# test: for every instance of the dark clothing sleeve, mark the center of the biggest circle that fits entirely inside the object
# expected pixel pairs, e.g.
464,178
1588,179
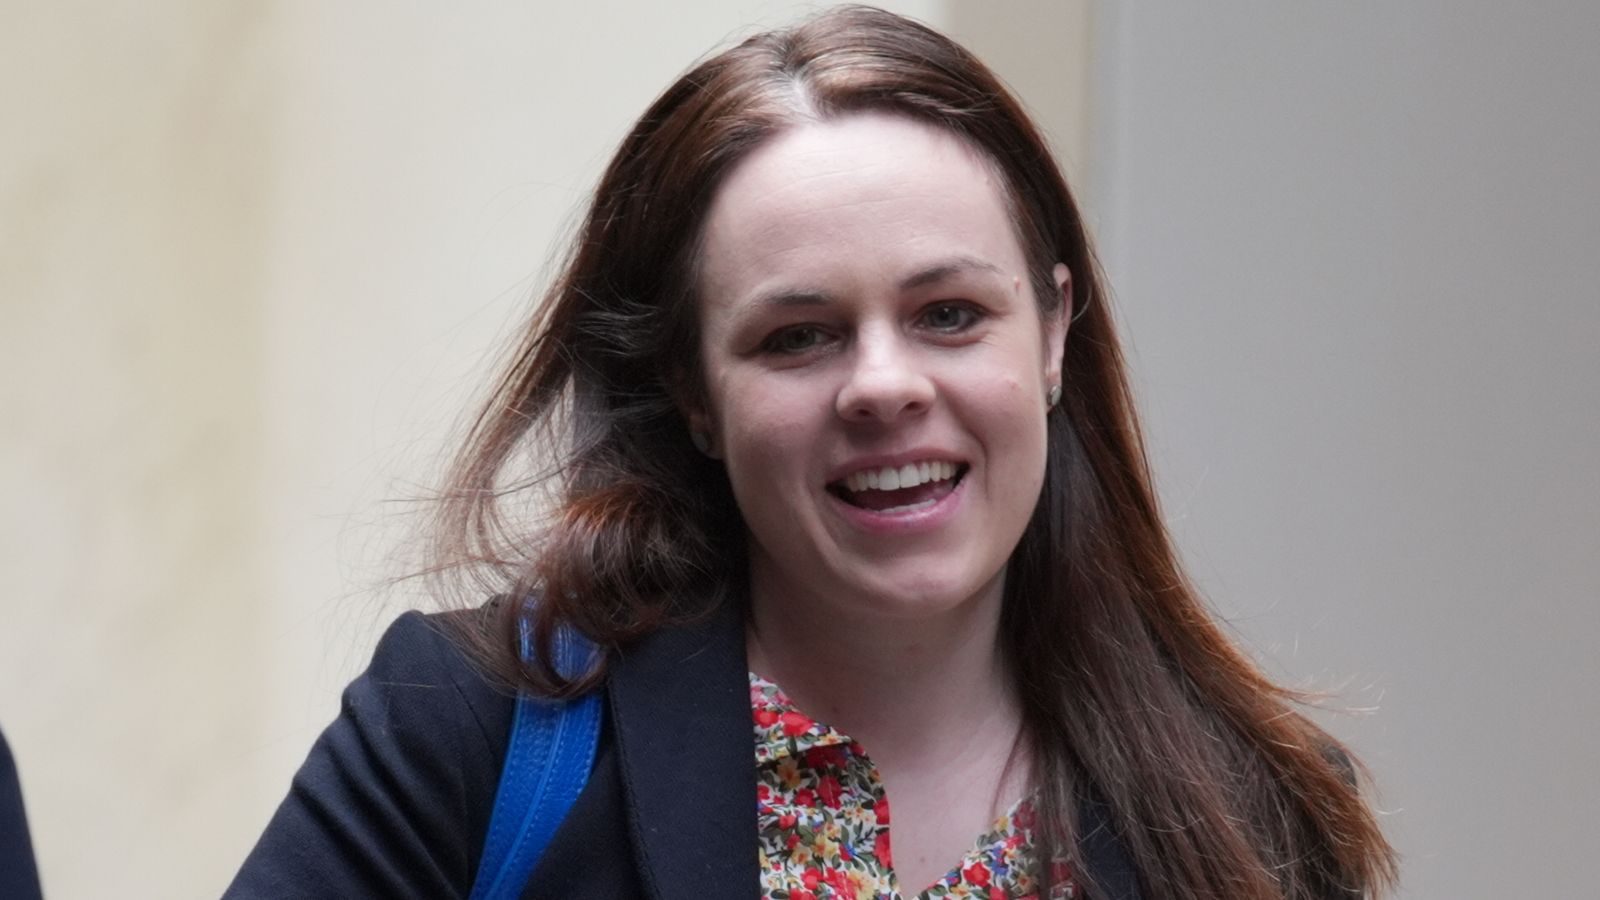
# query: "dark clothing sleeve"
394,799
19,877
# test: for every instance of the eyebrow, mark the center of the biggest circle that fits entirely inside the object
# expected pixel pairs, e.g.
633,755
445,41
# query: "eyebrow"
940,271
959,265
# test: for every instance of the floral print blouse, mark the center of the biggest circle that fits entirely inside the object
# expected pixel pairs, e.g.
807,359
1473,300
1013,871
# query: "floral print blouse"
824,821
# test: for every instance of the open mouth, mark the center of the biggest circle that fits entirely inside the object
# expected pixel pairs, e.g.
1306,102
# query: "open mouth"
900,489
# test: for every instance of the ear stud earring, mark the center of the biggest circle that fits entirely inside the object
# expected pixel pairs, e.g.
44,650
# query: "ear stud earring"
1053,397
700,442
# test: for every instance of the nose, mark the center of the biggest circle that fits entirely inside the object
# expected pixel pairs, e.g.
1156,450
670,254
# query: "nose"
885,381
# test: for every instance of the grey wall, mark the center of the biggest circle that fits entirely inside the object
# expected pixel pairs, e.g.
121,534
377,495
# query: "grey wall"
1356,247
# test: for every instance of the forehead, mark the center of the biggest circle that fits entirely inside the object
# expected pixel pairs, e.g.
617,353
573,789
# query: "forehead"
853,202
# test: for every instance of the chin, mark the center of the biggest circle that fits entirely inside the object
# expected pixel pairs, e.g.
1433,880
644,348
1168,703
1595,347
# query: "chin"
919,594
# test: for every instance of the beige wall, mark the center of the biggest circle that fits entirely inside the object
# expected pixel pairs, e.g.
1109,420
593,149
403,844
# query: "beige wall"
251,258
1044,50
133,190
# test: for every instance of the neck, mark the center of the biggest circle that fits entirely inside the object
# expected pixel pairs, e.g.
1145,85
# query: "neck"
913,691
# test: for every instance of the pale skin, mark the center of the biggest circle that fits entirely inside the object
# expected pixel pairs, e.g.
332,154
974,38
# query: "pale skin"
866,303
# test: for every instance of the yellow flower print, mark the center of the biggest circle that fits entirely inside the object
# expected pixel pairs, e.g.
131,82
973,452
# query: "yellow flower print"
789,773
826,848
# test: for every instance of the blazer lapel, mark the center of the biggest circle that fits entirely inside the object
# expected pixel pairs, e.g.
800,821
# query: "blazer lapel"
680,703
1104,853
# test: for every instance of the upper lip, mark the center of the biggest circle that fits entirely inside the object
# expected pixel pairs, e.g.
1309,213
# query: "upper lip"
879,461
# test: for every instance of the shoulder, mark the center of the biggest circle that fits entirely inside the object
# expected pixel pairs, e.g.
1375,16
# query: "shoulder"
423,696
395,795
421,672
425,717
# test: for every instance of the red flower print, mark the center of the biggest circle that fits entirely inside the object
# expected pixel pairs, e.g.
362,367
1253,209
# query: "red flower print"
787,821
1024,816
1060,872
839,880
793,840
828,789
997,894
880,847
804,797
833,756
811,878
975,874
801,894
882,810
766,718
795,723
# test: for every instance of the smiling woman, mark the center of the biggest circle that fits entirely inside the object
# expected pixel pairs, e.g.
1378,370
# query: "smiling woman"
832,406
867,317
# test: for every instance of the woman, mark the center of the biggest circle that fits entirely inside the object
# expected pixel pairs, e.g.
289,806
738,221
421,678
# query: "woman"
832,409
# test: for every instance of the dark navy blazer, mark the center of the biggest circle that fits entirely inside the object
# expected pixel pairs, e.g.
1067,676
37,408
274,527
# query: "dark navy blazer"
394,799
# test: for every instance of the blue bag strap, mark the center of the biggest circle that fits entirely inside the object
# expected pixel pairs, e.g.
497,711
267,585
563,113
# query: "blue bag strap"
547,764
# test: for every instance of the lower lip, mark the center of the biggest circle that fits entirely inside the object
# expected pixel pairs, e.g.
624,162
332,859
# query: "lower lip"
907,520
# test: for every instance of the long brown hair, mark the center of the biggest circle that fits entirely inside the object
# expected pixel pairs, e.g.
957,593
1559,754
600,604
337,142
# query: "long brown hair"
1133,697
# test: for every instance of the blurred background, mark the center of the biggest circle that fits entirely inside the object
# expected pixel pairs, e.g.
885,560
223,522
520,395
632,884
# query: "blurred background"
258,258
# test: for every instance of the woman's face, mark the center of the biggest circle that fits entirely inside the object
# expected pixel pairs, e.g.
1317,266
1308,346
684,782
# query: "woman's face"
876,367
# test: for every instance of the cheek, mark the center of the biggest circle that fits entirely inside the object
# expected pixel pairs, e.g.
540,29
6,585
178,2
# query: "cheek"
1006,391
1010,418
768,434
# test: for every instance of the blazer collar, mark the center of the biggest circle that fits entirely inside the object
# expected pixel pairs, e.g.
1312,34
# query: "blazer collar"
680,706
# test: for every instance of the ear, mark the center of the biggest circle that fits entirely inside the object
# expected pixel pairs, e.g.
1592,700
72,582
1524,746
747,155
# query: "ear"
1055,327
690,399
703,431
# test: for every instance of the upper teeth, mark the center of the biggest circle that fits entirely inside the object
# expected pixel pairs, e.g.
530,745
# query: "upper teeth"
890,478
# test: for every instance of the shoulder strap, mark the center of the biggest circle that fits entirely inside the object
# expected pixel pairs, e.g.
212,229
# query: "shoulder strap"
547,764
